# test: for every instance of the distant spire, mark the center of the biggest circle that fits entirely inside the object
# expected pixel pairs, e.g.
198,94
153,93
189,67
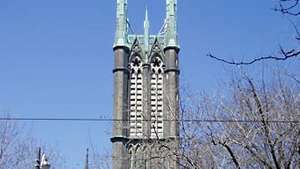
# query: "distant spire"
38,159
146,30
86,166
44,162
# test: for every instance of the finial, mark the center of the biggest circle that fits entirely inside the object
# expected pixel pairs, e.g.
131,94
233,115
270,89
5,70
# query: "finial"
146,21
146,30
146,15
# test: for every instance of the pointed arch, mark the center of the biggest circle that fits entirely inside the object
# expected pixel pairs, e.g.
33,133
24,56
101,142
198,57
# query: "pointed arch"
136,50
156,51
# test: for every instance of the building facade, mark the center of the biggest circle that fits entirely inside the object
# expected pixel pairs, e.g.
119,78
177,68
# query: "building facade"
146,96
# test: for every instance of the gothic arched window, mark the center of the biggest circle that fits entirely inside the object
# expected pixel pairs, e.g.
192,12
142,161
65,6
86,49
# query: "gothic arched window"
136,98
157,80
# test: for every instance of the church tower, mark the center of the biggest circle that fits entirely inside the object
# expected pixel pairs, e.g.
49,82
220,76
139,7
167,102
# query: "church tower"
146,102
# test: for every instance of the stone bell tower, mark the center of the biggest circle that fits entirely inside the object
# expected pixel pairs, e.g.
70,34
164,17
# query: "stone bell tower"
146,102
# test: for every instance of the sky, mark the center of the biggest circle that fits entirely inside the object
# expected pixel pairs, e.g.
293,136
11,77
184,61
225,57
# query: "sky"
56,58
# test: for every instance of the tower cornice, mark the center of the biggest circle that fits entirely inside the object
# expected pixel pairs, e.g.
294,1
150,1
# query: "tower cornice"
124,47
176,48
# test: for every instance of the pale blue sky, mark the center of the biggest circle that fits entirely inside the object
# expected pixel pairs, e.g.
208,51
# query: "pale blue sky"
56,57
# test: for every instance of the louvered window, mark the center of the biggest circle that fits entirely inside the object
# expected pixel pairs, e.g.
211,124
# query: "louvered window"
157,98
136,99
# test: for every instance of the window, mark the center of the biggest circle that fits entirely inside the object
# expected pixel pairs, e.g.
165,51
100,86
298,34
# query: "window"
136,98
156,98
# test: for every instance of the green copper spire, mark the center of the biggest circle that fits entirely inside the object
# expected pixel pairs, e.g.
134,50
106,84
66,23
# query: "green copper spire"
146,31
167,34
171,31
121,31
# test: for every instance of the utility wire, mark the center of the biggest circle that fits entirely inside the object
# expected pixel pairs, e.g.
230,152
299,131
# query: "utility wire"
120,120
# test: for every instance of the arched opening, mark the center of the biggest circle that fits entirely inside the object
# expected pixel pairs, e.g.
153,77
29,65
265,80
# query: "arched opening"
136,98
157,80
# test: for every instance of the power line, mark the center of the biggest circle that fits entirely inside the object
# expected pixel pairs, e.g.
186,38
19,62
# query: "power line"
121,120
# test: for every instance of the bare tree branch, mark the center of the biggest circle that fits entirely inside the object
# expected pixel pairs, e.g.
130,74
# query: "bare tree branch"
288,6
286,55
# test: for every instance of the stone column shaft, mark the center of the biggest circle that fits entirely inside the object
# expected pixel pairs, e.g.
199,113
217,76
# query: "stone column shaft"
120,114
172,91
147,101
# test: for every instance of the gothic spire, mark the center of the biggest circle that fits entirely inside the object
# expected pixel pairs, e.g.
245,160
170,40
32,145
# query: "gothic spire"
171,29
86,165
38,159
146,31
121,23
